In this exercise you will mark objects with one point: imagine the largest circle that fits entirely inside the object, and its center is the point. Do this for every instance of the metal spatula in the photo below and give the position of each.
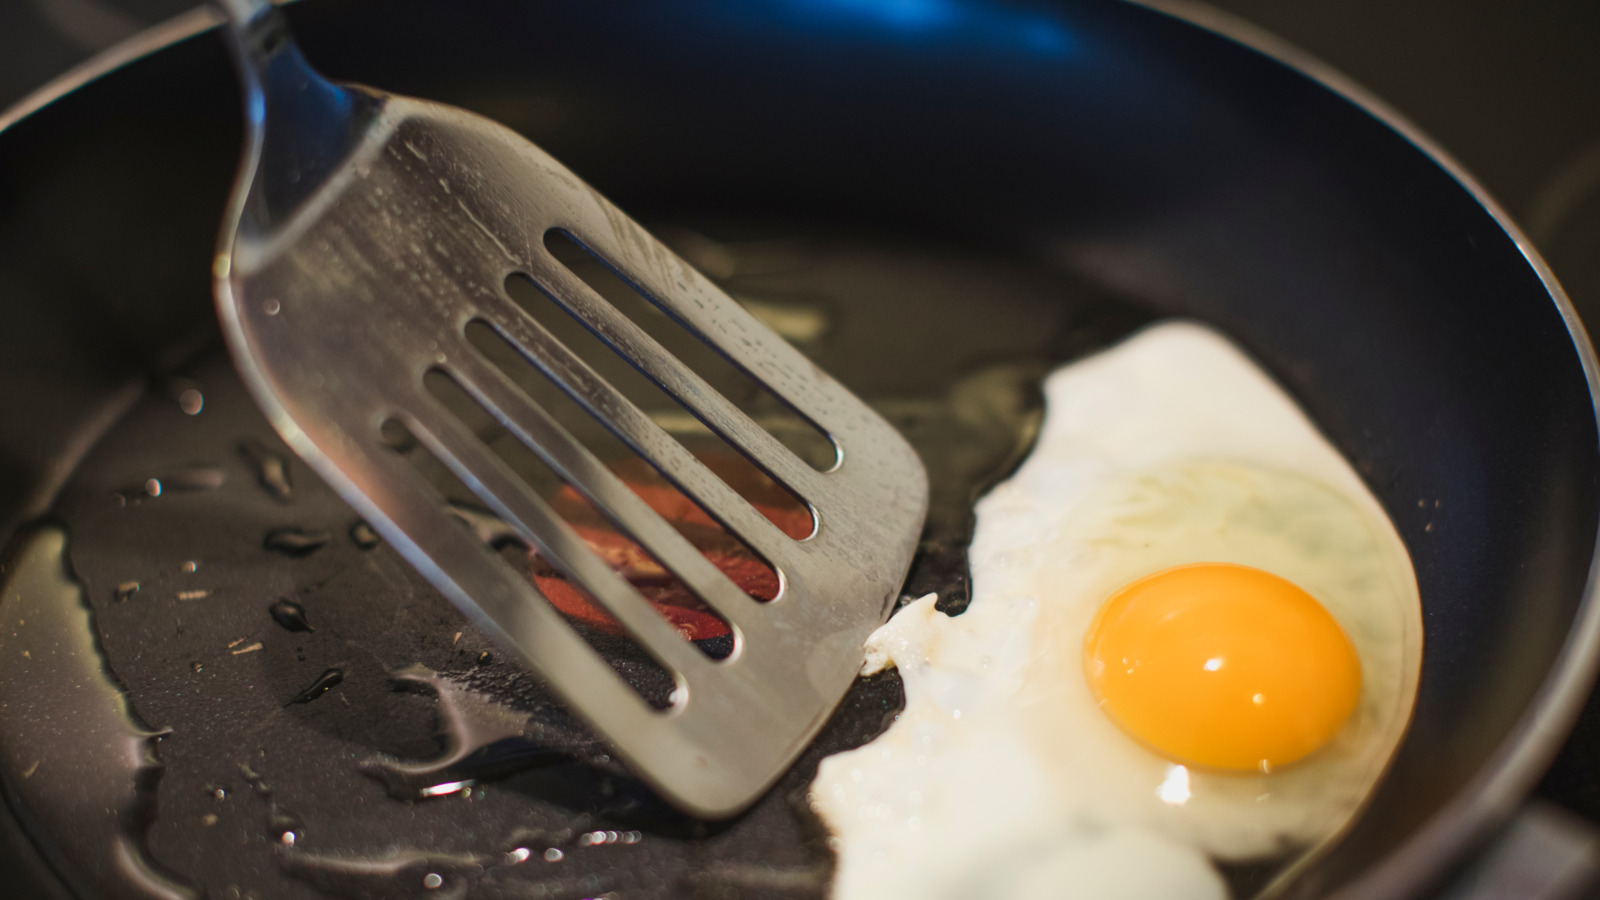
(365, 233)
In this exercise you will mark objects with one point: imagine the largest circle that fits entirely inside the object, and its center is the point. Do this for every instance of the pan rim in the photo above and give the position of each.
(1500, 784)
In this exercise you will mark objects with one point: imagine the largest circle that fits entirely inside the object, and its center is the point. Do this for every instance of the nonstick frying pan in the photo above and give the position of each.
(1160, 154)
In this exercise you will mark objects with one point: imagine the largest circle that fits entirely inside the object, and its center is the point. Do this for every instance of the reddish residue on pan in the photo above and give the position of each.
(687, 613)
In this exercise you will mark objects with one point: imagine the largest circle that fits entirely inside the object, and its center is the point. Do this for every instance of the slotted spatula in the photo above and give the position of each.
(365, 233)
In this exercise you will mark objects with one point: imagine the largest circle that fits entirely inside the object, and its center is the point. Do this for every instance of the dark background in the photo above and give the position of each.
(1510, 88)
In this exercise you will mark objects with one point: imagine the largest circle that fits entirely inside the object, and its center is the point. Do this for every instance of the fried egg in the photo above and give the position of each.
(1194, 637)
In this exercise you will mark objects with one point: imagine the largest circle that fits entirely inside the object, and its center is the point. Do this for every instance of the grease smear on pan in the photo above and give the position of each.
(1194, 638)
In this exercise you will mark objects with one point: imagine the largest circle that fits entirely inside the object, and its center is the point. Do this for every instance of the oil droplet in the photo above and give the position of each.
(91, 776)
(272, 307)
(290, 615)
(363, 536)
(125, 590)
(194, 478)
(190, 567)
(296, 542)
(284, 827)
(600, 838)
(272, 471)
(553, 855)
(469, 723)
(191, 402)
(396, 872)
(324, 683)
(464, 788)
(256, 782)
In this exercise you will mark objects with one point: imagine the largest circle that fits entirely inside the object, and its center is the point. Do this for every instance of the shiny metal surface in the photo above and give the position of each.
(367, 231)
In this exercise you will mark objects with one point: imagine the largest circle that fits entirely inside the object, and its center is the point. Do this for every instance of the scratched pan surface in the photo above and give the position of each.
(961, 195)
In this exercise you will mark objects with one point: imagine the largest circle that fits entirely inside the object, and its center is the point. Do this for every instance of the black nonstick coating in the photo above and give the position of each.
(1158, 161)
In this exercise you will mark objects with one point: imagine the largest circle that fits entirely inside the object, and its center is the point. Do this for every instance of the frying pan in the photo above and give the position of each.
(1158, 150)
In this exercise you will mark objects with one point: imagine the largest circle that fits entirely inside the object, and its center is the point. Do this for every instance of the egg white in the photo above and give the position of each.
(1002, 774)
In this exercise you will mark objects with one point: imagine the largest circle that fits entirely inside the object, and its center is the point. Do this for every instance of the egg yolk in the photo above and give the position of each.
(1222, 666)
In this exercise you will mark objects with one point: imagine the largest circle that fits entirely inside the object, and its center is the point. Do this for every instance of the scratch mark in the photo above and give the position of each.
(487, 233)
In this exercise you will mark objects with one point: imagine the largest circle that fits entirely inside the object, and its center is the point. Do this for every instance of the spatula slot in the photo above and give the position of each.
(766, 494)
(510, 552)
(709, 529)
(613, 541)
(800, 435)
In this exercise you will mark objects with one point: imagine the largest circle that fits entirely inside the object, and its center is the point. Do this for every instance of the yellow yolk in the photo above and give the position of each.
(1222, 666)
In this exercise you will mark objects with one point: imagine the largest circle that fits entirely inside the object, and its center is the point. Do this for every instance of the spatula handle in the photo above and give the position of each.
(242, 12)
(300, 125)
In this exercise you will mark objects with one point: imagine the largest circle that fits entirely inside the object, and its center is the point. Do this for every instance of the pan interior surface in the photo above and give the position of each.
(1126, 162)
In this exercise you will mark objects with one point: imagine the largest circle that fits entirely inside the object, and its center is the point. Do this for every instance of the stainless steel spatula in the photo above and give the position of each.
(366, 233)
